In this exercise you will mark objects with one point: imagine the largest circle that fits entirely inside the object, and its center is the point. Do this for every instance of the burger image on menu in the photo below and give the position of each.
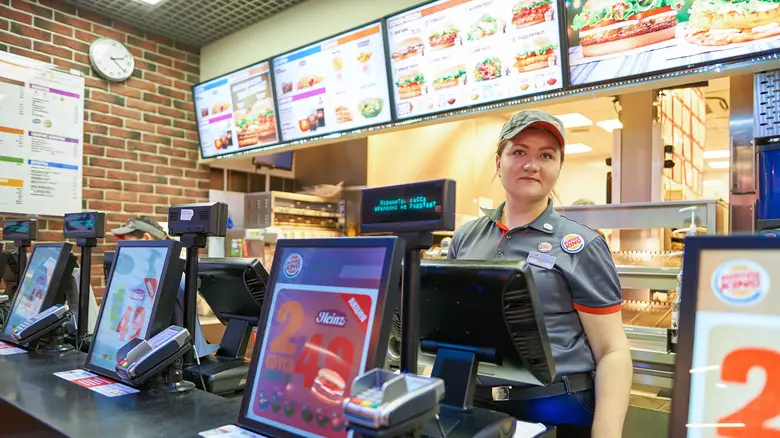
(451, 77)
(256, 125)
(329, 387)
(444, 38)
(530, 12)
(537, 54)
(613, 26)
(408, 48)
(723, 22)
(410, 85)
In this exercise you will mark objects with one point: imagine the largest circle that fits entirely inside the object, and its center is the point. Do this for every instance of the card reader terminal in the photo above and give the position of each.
(146, 358)
(40, 324)
(382, 399)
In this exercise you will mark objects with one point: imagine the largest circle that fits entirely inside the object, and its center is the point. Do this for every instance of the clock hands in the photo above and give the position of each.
(116, 61)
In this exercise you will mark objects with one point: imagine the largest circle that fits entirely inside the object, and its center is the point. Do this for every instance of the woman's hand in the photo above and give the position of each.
(614, 371)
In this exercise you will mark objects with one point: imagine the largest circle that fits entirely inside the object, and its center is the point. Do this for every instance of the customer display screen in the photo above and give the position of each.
(451, 54)
(34, 286)
(130, 298)
(413, 202)
(335, 85)
(736, 346)
(236, 112)
(613, 39)
(316, 338)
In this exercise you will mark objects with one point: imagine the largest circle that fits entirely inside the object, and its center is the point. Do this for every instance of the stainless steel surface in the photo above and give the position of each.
(648, 277)
(650, 215)
(653, 357)
(766, 107)
(295, 212)
(743, 181)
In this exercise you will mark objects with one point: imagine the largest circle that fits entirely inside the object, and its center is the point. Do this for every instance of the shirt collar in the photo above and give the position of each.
(546, 222)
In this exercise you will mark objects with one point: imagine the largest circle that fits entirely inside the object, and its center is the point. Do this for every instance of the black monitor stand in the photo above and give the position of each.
(21, 255)
(415, 244)
(83, 339)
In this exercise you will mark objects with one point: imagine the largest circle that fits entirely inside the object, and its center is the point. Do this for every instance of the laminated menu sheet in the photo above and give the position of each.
(41, 135)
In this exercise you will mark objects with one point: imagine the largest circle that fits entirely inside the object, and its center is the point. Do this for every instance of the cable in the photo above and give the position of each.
(200, 371)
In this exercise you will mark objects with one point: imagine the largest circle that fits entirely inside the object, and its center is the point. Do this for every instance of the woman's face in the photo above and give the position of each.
(530, 165)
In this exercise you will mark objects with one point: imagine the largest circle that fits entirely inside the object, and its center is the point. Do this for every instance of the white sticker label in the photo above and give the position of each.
(187, 214)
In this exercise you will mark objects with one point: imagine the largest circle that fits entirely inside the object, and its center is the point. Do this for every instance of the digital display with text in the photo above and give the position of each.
(431, 205)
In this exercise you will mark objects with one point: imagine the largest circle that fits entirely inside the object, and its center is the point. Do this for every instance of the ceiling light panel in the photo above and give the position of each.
(574, 120)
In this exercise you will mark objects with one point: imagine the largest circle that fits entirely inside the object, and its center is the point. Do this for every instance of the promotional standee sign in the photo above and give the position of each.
(735, 372)
(611, 39)
(316, 338)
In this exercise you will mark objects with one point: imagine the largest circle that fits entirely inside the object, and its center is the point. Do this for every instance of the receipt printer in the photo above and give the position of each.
(140, 360)
(44, 322)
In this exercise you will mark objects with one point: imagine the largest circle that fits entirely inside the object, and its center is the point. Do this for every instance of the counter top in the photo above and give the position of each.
(42, 404)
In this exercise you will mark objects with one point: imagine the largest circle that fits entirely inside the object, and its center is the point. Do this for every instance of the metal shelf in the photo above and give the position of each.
(648, 277)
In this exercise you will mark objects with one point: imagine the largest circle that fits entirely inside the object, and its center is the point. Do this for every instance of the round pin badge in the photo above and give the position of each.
(572, 243)
(544, 247)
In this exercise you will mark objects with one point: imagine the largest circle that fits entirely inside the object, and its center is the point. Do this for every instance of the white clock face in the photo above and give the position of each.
(111, 59)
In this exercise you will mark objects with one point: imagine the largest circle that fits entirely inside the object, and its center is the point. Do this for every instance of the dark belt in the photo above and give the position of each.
(568, 384)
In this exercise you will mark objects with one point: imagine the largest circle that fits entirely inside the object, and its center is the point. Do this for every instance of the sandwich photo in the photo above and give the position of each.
(443, 39)
(530, 12)
(451, 77)
(329, 387)
(488, 69)
(410, 85)
(343, 114)
(257, 124)
(308, 81)
(407, 48)
(536, 55)
(613, 26)
(723, 22)
(486, 26)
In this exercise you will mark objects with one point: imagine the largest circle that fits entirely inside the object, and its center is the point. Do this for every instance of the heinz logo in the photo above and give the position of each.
(331, 317)
(361, 315)
(740, 282)
(293, 265)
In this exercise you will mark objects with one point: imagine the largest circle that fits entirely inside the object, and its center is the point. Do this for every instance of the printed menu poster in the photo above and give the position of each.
(736, 352)
(611, 39)
(316, 338)
(336, 85)
(457, 53)
(32, 291)
(128, 303)
(41, 134)
(236, 112)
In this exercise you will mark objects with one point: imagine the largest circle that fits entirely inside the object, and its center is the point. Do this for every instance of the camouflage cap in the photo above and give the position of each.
(533, 119)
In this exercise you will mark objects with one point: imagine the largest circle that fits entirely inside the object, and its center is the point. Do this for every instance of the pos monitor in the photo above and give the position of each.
(508, 340)
(321, 327)
(42, 283)
(139, 299)
(728, 356)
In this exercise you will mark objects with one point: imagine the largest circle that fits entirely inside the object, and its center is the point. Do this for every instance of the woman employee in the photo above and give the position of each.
(577, 283)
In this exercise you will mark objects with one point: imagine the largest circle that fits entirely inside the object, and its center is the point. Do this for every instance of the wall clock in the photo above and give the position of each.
(111, 59)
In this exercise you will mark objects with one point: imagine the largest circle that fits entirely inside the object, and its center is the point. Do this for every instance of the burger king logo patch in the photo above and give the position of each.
(544, 247)
(772, 234)
(293, 265)
(572, 243)
(740, 283)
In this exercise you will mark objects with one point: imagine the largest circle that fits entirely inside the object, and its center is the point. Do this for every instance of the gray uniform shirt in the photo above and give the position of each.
(583, 277)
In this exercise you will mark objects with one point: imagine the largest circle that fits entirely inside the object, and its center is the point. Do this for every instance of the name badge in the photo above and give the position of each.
(544, 261)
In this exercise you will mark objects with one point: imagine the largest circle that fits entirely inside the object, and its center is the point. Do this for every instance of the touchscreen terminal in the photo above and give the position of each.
(320, 329)
(34, 285)
(132, 301)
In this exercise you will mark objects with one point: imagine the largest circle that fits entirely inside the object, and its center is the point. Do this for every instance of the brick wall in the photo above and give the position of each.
(140, 139)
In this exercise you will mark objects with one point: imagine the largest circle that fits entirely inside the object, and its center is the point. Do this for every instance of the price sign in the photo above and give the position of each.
(316, 343)
(129, 301)
(735, 364)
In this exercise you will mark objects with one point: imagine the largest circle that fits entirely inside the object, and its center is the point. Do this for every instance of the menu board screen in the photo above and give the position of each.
(451, 54)
(335, 85)
(611, 39)
(236, 112)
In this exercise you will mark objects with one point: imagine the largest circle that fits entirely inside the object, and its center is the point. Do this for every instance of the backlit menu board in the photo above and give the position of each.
(614, 39)
(334, 85)
(236, 112)
(451, 54)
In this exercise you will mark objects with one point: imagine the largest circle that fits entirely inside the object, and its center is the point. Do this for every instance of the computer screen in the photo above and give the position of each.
(282, 160)
(39, 283)
(233, 286)
(140, 288)
(321, 328)
(728, 352)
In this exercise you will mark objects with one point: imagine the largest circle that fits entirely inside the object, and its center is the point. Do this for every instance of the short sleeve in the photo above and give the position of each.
(452, 251)
(594, 283)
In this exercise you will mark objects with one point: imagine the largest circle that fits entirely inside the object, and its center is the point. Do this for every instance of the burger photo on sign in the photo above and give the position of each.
(410, 85)
(536, 54)
(613, 26)
(530, 12)
(451, 77)
(724, 22)
(408, 48)
(444, 38)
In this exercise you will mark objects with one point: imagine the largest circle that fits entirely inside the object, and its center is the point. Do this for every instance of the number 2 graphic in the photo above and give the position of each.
(766, 406)
(292, 313)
